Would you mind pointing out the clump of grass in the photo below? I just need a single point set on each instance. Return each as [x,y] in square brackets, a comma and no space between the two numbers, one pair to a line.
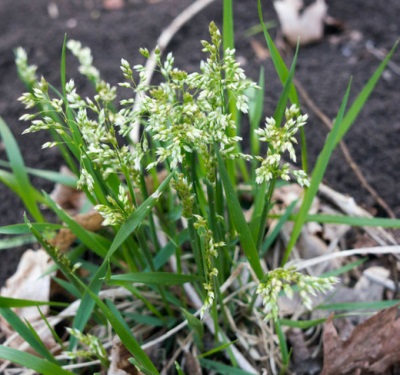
[173,227]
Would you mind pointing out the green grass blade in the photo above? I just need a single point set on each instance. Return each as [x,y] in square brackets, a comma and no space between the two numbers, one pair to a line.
[274,234]
[355,221]
[287,86]
[317,175]
[25,332]
[228,36]
[277,59]
[19,303]
[32,362]
[282,344]
[26,191]
[374,305]
[84,235]
[256,104]
[10,243]
[239,222]
[362,97]
[156,278]
[52,176]
[87,304]
[124,334]
[137,217]
[24,228]
[221,368]
[219,348]
[283,73]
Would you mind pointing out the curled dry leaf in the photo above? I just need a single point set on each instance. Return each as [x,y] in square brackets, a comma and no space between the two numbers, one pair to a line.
[372,348]
[305,24]
[30,282]
[119,360]
[68,198]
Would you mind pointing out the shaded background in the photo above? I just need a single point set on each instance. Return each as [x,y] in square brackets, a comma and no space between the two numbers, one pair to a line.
[323,69]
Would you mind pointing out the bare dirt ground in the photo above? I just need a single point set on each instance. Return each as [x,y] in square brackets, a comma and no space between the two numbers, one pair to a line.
[324,69]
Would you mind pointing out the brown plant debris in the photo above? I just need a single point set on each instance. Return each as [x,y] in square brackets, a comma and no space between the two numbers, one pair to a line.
[372,348]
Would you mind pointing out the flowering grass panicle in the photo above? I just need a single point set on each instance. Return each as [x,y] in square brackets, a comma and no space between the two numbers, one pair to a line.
[281,279]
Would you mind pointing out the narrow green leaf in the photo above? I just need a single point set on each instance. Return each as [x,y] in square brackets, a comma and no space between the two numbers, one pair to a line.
[9,243]
[228,38]
[24,228]
[274,234]
[344,269]
[137,217]
[219,348]
[256,103]
[375,305]
[363,96]
[26,191]
[52,176]
[239,222]
[277,60]
[196,325]
[32,339]
[87,237]
[87,304]
[179,369]
[221,368]
[282,343]
[123,333]
[317,175]
[18,303]
[287,86]
[32,362]
[156,278]
[355,221]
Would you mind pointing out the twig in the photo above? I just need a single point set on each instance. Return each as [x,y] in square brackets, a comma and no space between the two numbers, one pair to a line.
[380,55]
[302,264]
[346,153]
[350,207]
[162,43]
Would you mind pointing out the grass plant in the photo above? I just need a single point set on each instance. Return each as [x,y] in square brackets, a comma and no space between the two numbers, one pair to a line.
[174,228]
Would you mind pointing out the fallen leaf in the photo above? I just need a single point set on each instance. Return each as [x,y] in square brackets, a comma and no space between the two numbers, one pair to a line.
[30,282]
[372,348]
[66,197]
[303,24]
[260,50]
[119,364]
[302,360]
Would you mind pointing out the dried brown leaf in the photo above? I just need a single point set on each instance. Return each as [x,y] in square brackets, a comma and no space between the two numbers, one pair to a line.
[372,348]
[30,282]
[260,50]
[119,361]
[66,197]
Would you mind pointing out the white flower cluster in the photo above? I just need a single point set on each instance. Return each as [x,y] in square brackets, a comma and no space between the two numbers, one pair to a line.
[27,72]
[187,112]
[281,279]
[92,346]
[116,212]
[281,139]
[84,56]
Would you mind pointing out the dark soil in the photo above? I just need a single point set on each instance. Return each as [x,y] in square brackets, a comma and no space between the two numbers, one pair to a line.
[324,70]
